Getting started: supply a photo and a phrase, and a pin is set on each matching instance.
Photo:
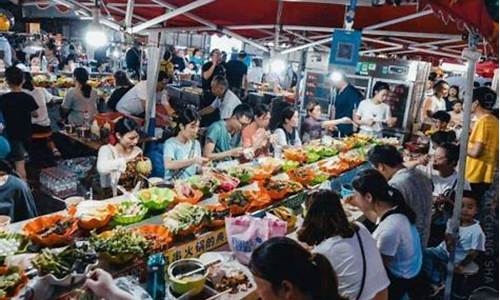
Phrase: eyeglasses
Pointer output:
(243, 124)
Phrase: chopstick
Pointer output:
(219, 294)
(198, 270)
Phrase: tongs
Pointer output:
(130, 194)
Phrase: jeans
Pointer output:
(435, 259)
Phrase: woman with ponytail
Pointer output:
(80, 100)
(348, 246)
(283, 269)
(182, 153)
(396, 234)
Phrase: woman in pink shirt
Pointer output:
(256, 135)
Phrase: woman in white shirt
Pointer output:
(41, 123)
(287, 133)
(373, 113)
(435, 103)
(348, 246)
(396, 234)
(113, 160)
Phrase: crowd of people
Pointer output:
(407, 204)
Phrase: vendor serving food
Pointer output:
(313, 127)
(182, 153)
(373, 113)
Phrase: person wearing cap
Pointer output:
(236, 73)
(346, 103)
(482, 151)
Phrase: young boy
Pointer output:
(17, 107)
(441, 134)
(471, 241)
(457, 115)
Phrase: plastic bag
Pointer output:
(245, 233)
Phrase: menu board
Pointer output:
(318, 88)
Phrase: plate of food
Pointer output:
(94, 214)
(278, 189)
(206, 184)
(289, 165)
(156, 198)
(228, 275)
(237, 201)
(67, 266)
(334, 167)
(159, 236)
(185, 219)
(244, 174)
(216, 215)
(184, 192)
(12, 280)
(129, 212)
(12, 244)
(227, 182)
(295, 154)
(286, 214)
(52, 230)
(120, 245)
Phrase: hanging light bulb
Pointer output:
(95, 36)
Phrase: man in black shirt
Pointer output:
(17, 107)
(133, 60)
(209, 71)
(346, 102)
(236, 73)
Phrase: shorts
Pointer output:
(18, 150)
(35, 128)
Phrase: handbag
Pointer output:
(363, 279)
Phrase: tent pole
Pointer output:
(471, 55)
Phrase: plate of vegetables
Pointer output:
(157, 198)
(120, 245)
(290, 165)
(237, 201)
(12, 280)
(65, 267)
(12, 244)
(185, 219)
(158, 236)
(206, 184)
(278, 189)
(216, 215)
(244, 174)
(129, 212)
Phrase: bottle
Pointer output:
(86, 119)
(95, 131)
(156, 276)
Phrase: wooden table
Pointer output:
(94, 145)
